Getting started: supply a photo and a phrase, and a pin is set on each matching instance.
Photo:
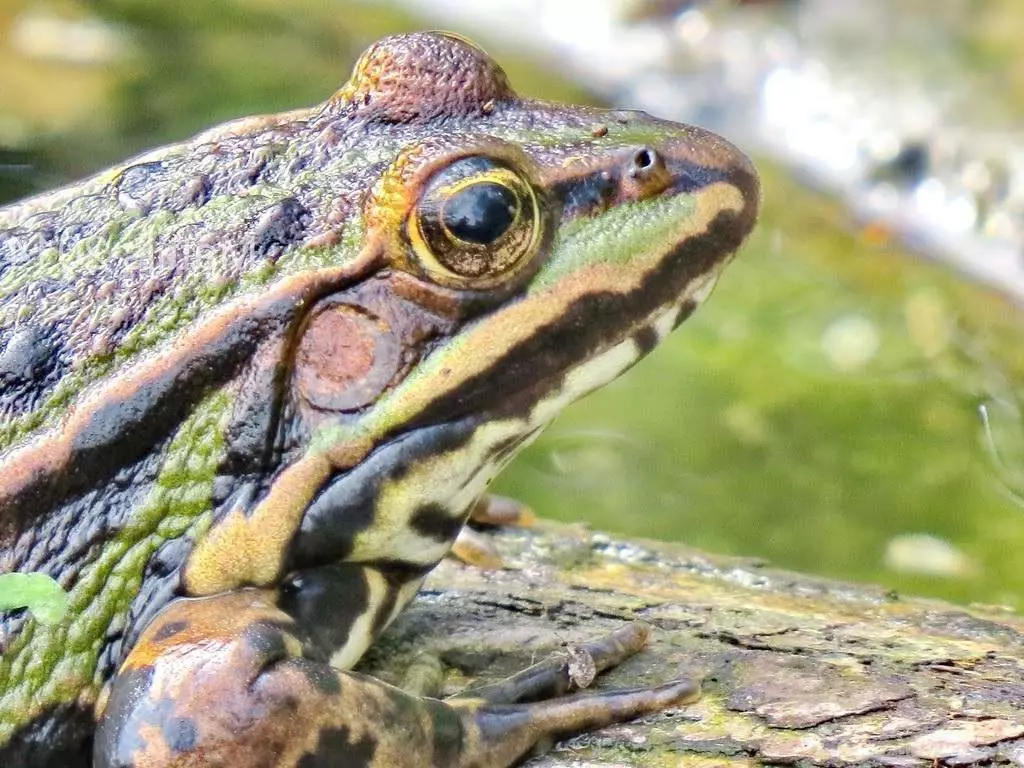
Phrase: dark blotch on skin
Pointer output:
(325, 603)
(278, 227)
(688, 308)
(170, 630)
(128, 706)
(335, 749)
(58, 737)
(347, 506)
(645, 339)
(181, 734)
(30, 365)
(433, 521)
(267, 640)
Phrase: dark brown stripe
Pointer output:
(688, 308)
(434, 521)
(645, 339)
(127, 418)
(595, 189)
(530, 370)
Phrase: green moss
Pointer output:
(50, 664)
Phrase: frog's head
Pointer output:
(522, 254)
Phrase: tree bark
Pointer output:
(796, 670)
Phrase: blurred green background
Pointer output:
(838, 407)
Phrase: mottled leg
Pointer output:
(227, 681)
(471, 547)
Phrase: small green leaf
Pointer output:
(43, 596)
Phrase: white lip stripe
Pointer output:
(665, 322)
(455, 480)
(361, 633)
(703, 286)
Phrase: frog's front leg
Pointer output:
(233, 680)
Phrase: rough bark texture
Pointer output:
(796, 670)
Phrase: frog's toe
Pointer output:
(566, 671)
(499, 735)
(473, 547)
(502, 510)
(227, 681)
(502, 722)
(501, 728)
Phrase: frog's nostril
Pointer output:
(644, 158)
(646, 162)
(646, 174)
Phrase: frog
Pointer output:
(256, 382)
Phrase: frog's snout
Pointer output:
(696, 158)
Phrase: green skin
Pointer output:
(253, 384)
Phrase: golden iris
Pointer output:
(476, 221)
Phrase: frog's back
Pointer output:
(113, 417)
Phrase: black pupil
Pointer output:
(480, 213)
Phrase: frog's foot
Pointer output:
(472, 547)
(227, 681)
(509, 718)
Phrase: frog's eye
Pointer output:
(477, 220)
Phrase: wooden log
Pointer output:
(796, 670)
